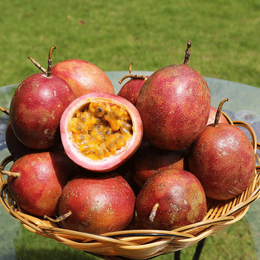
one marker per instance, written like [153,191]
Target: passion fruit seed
[100,129]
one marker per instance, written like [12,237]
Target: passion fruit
[130,90]
[37,106]
[174,104]
[97,203]
[84,77]
[14,146]
[171,199]
[150,159]
[35,181]
[101,131]
[223,159]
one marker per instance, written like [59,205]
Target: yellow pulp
[100,129]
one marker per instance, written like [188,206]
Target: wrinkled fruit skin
[131,89]
[223,160]
[180,196]
[36,109]
[98,204]
[174,104]
[42,177]
[212,115]
[150,159]
[113,161]
[83,77]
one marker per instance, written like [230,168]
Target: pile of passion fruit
[150,156]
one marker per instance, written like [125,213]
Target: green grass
[151,34]
[111,34]
[225,245]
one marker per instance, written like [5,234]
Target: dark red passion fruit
[97,204]
[100,131]
[37,106]
[150,159]
[223,159]
[14,146]
[174,104]
[38,180]
[171,199]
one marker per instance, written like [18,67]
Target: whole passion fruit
[37,106]
[97,204]
[223,159]
[170,199]
[84,77]
[36,181]
[174,104]
[101,131]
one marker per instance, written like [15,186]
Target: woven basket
[135,243]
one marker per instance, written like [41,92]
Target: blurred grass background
[151,34]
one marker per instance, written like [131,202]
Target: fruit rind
[113,161]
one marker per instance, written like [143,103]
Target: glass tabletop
[242,105]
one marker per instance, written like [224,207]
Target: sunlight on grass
[151,34]
[112,34]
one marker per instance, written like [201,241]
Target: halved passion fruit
[100,131]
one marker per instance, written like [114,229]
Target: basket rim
[220,214]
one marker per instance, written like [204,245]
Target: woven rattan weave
[135,243]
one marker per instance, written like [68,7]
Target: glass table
[242,105]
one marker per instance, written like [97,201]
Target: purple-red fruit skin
[180,198]
[42,177]
[174,104]
[84,77]
[131,89]
[150,159]
[99,204]
[36,109]
[223,160]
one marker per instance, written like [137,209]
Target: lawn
[111,34]
[151,34]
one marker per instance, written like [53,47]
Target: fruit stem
[153,212]
[49,71]
[218,113]
[10,174]
[37,64]
[60,218]
[132,76]
[5,111]
[187,53]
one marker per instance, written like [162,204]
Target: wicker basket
[135,243]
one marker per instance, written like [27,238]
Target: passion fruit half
[101,131]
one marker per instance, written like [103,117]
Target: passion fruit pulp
[100,131]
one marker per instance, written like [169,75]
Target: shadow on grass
[30,246]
